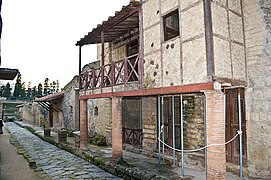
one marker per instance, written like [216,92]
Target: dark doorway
[232,149]
[132,122]
[193,121]
[168,107]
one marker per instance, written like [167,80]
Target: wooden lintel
[192,88]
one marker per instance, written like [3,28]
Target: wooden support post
[141,48]
[102,68]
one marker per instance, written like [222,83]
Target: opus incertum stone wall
[257,15]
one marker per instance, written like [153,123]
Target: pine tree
[57,85]
[2,89]
[22,92]
[7,92]
[34,92]
[53,87]
[39,90]
[46,87]
[18,87]
[29,91]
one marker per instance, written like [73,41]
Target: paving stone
[57,163]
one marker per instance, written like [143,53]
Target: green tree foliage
[34,92]
[2,89]
[46,89]
[18,87]
[29,91]
[57,85]
[7,91]
[22,92]
[39,90]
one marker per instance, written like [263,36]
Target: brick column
[116,127]
[215,133]
[83,124]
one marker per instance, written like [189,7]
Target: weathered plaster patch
[264,7]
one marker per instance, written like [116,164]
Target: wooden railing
[116,73]
[132,136]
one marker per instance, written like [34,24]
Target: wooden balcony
[116,73]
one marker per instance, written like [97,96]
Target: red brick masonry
[116,128]
[215,132]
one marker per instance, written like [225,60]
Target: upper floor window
[171,25]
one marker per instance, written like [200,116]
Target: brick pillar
[83,124]
[215,133]
[116,127]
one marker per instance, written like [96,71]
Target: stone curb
[31,162]
[120,170]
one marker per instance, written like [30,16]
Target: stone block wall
[58,118]
[71,105]
[258,94]
[193,121]
[100,116]
[228,39]
[33,113]
[149,118]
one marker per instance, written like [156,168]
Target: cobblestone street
[57,163]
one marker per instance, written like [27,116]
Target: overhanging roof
[50,97]
[8,74]
[122,23]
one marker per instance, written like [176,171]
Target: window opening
[96,111]
[171,25]
[132,49]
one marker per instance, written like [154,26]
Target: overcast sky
[39,36]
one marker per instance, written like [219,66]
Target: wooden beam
[209,38]
[154,91]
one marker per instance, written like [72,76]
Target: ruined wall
[149,116]
[92,65]
[228,39]
[100,116]
[258,94]
[71,105]
[33,113]
[169,63]
[39,114]
[58,118]
[193,121]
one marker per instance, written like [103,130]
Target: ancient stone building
[32,113]
[190,73]
[258,90]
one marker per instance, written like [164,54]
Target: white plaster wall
[194,64]
[229,48]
